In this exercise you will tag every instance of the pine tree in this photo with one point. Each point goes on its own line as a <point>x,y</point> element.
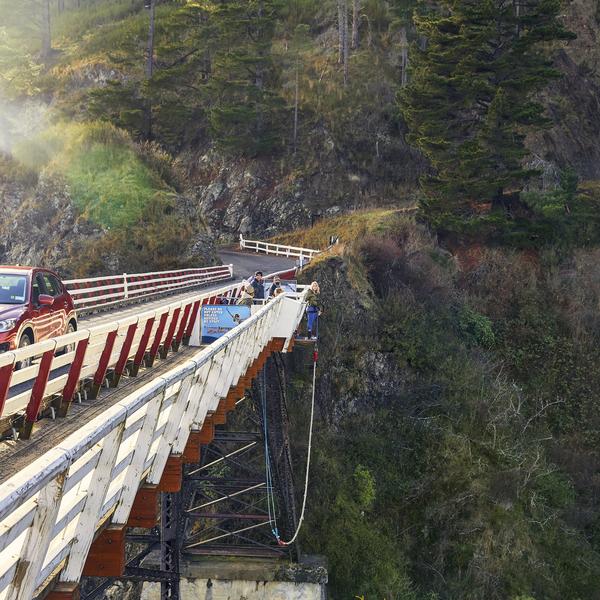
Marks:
<point>471,101</point>
<point>245,108</point>
<point>216,71</point>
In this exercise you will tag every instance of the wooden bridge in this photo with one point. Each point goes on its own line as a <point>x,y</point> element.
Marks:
<point>117,426</point>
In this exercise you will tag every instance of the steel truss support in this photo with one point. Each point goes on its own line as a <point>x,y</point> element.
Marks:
<point>169,544</point>
<point>227,511</point>
<point>222,509</point>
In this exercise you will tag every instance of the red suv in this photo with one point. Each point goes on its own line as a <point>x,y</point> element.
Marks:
<point>34,306</point>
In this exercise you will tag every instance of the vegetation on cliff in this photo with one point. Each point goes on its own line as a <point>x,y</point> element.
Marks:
<point>459,430</point>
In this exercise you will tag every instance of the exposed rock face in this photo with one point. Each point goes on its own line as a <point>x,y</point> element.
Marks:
<point>261,197</point>
<point>573,105</point>
<point>573,101</point>
<point>41,226</point>
<point>245,197</point>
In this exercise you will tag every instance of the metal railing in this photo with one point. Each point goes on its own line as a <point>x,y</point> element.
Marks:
<point>51,510</point>
<point>302,254</point>
<point>97,292</point>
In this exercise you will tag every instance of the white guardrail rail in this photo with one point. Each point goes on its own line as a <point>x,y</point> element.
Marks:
<point>51,509</point>
<point>58,366</point>
<point>97,292</point>
<point>278,249</point>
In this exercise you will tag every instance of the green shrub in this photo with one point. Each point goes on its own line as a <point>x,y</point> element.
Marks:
<point>108,179</point>
<point>476,327</point>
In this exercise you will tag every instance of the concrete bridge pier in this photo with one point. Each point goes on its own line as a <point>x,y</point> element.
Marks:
<point>217,578</point>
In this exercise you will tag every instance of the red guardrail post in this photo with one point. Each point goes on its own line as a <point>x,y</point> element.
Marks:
<point>182,326</point>
<point>73,377</point>
<point>139,355</point>
<point>170,333</point>
<point>125,348</point>
<point>5,376</point>
<point>190,325</point>
<point>37,395</point>
<point>156,344</point>
<point>103,364</point>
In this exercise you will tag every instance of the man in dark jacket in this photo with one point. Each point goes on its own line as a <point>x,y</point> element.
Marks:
<point>259,287</point>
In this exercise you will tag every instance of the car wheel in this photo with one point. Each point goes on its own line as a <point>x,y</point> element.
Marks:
<point>23,343</point>
<point>70,347</point>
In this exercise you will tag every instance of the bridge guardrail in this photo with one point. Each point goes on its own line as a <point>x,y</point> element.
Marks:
<point>99,292</point>
<point>50,510</point>
<point>90,354</point>
<point>279,249</point>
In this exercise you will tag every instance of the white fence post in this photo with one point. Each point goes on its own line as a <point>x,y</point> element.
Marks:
<point>125,287</point>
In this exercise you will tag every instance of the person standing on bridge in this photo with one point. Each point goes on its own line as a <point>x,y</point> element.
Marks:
<point>276,285</point>
<point>259,287</point>
<point>313,310</point>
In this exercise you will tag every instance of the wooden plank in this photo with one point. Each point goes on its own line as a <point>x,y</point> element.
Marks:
<point>64,591</point>
<point>106,557</point>
<point>191,452</point>
<point>182,438</point>
<point>144,510</point>
<point>37,541</point>
<point>90,515</point>
<point>168,437</point>
<point>140,455</point>
<point>171,477</point>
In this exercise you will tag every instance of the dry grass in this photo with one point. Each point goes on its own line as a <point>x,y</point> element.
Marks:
<point>348,227</point>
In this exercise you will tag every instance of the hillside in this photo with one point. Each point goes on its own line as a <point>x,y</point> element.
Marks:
<point>331,145</point>
<point>457,444</point>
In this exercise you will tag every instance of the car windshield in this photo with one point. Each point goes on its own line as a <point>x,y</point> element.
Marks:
<point>13,288</point>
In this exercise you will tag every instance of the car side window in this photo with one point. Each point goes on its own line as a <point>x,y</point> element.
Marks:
<point>57,285</point>
<point>52,286</point>
<point>37,288</point>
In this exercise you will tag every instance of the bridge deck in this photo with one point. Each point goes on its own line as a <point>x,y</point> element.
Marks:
<point>125,436</point>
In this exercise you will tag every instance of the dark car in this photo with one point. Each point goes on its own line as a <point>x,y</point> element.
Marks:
<point>34,306</point>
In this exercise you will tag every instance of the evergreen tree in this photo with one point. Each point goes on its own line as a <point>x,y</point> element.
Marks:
<point>245,108</point>
<point>216,76</point>
<point>471,101</point>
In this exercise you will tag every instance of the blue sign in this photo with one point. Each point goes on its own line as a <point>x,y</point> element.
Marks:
<point>218,319</point>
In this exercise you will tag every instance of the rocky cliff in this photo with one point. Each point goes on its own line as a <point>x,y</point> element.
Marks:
<point>40,225</point>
